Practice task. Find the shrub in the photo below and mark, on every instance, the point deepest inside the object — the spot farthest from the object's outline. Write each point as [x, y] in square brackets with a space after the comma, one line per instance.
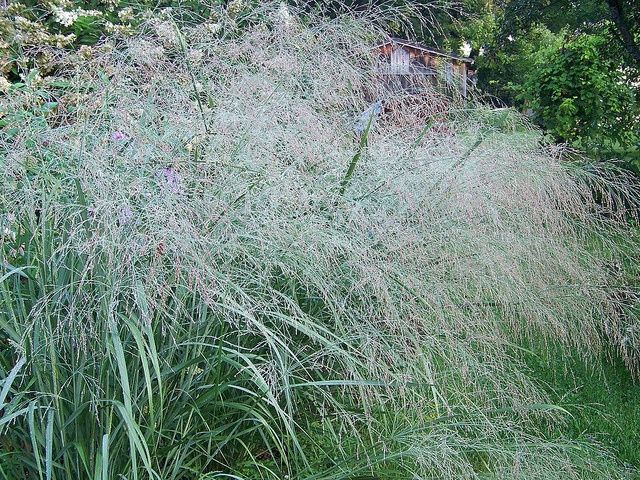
[584, 98]
[206, 276]
[34, 30]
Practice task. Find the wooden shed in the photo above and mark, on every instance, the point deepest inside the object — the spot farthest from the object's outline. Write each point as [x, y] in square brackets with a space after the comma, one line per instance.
[406, 64]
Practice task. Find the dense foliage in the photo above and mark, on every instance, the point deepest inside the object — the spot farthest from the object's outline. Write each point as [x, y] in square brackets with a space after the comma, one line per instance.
[205, 275]
[573, 65]
[32, 30]
[580, 96]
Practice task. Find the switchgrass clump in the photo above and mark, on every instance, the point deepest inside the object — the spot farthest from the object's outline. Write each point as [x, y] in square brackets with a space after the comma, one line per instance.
[207, 274]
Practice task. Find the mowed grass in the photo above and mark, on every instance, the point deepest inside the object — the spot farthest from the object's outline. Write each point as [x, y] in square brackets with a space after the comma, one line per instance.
[601, 395]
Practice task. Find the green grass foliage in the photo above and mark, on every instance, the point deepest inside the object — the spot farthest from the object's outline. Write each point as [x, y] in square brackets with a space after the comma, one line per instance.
[205, 275]
[602, 397]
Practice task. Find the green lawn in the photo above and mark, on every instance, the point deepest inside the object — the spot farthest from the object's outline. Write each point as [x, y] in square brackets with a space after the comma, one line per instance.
[602, 396]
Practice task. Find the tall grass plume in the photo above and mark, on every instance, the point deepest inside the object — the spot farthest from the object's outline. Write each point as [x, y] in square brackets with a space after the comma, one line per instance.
[193, 287]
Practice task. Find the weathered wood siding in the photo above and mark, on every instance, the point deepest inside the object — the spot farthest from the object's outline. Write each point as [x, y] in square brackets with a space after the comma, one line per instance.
[404, 60]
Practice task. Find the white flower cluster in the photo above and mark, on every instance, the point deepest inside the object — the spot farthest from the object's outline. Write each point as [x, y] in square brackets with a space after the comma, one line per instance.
[68, 17]
[7, 232]
[23, 23]
[126, 14]
[4, 84]
[64, 17]
[61, 41]
[28, 32]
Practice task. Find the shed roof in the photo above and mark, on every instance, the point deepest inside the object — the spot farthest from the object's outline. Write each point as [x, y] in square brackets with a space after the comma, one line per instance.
[425, 48]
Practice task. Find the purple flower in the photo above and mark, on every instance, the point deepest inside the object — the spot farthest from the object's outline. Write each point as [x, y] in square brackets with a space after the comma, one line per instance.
[170, 178]
[118, 136]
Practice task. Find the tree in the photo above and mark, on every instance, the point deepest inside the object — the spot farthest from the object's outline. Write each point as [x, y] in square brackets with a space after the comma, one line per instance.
[504, 67]
[580, 96]
[626, 23]
[619, 20]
